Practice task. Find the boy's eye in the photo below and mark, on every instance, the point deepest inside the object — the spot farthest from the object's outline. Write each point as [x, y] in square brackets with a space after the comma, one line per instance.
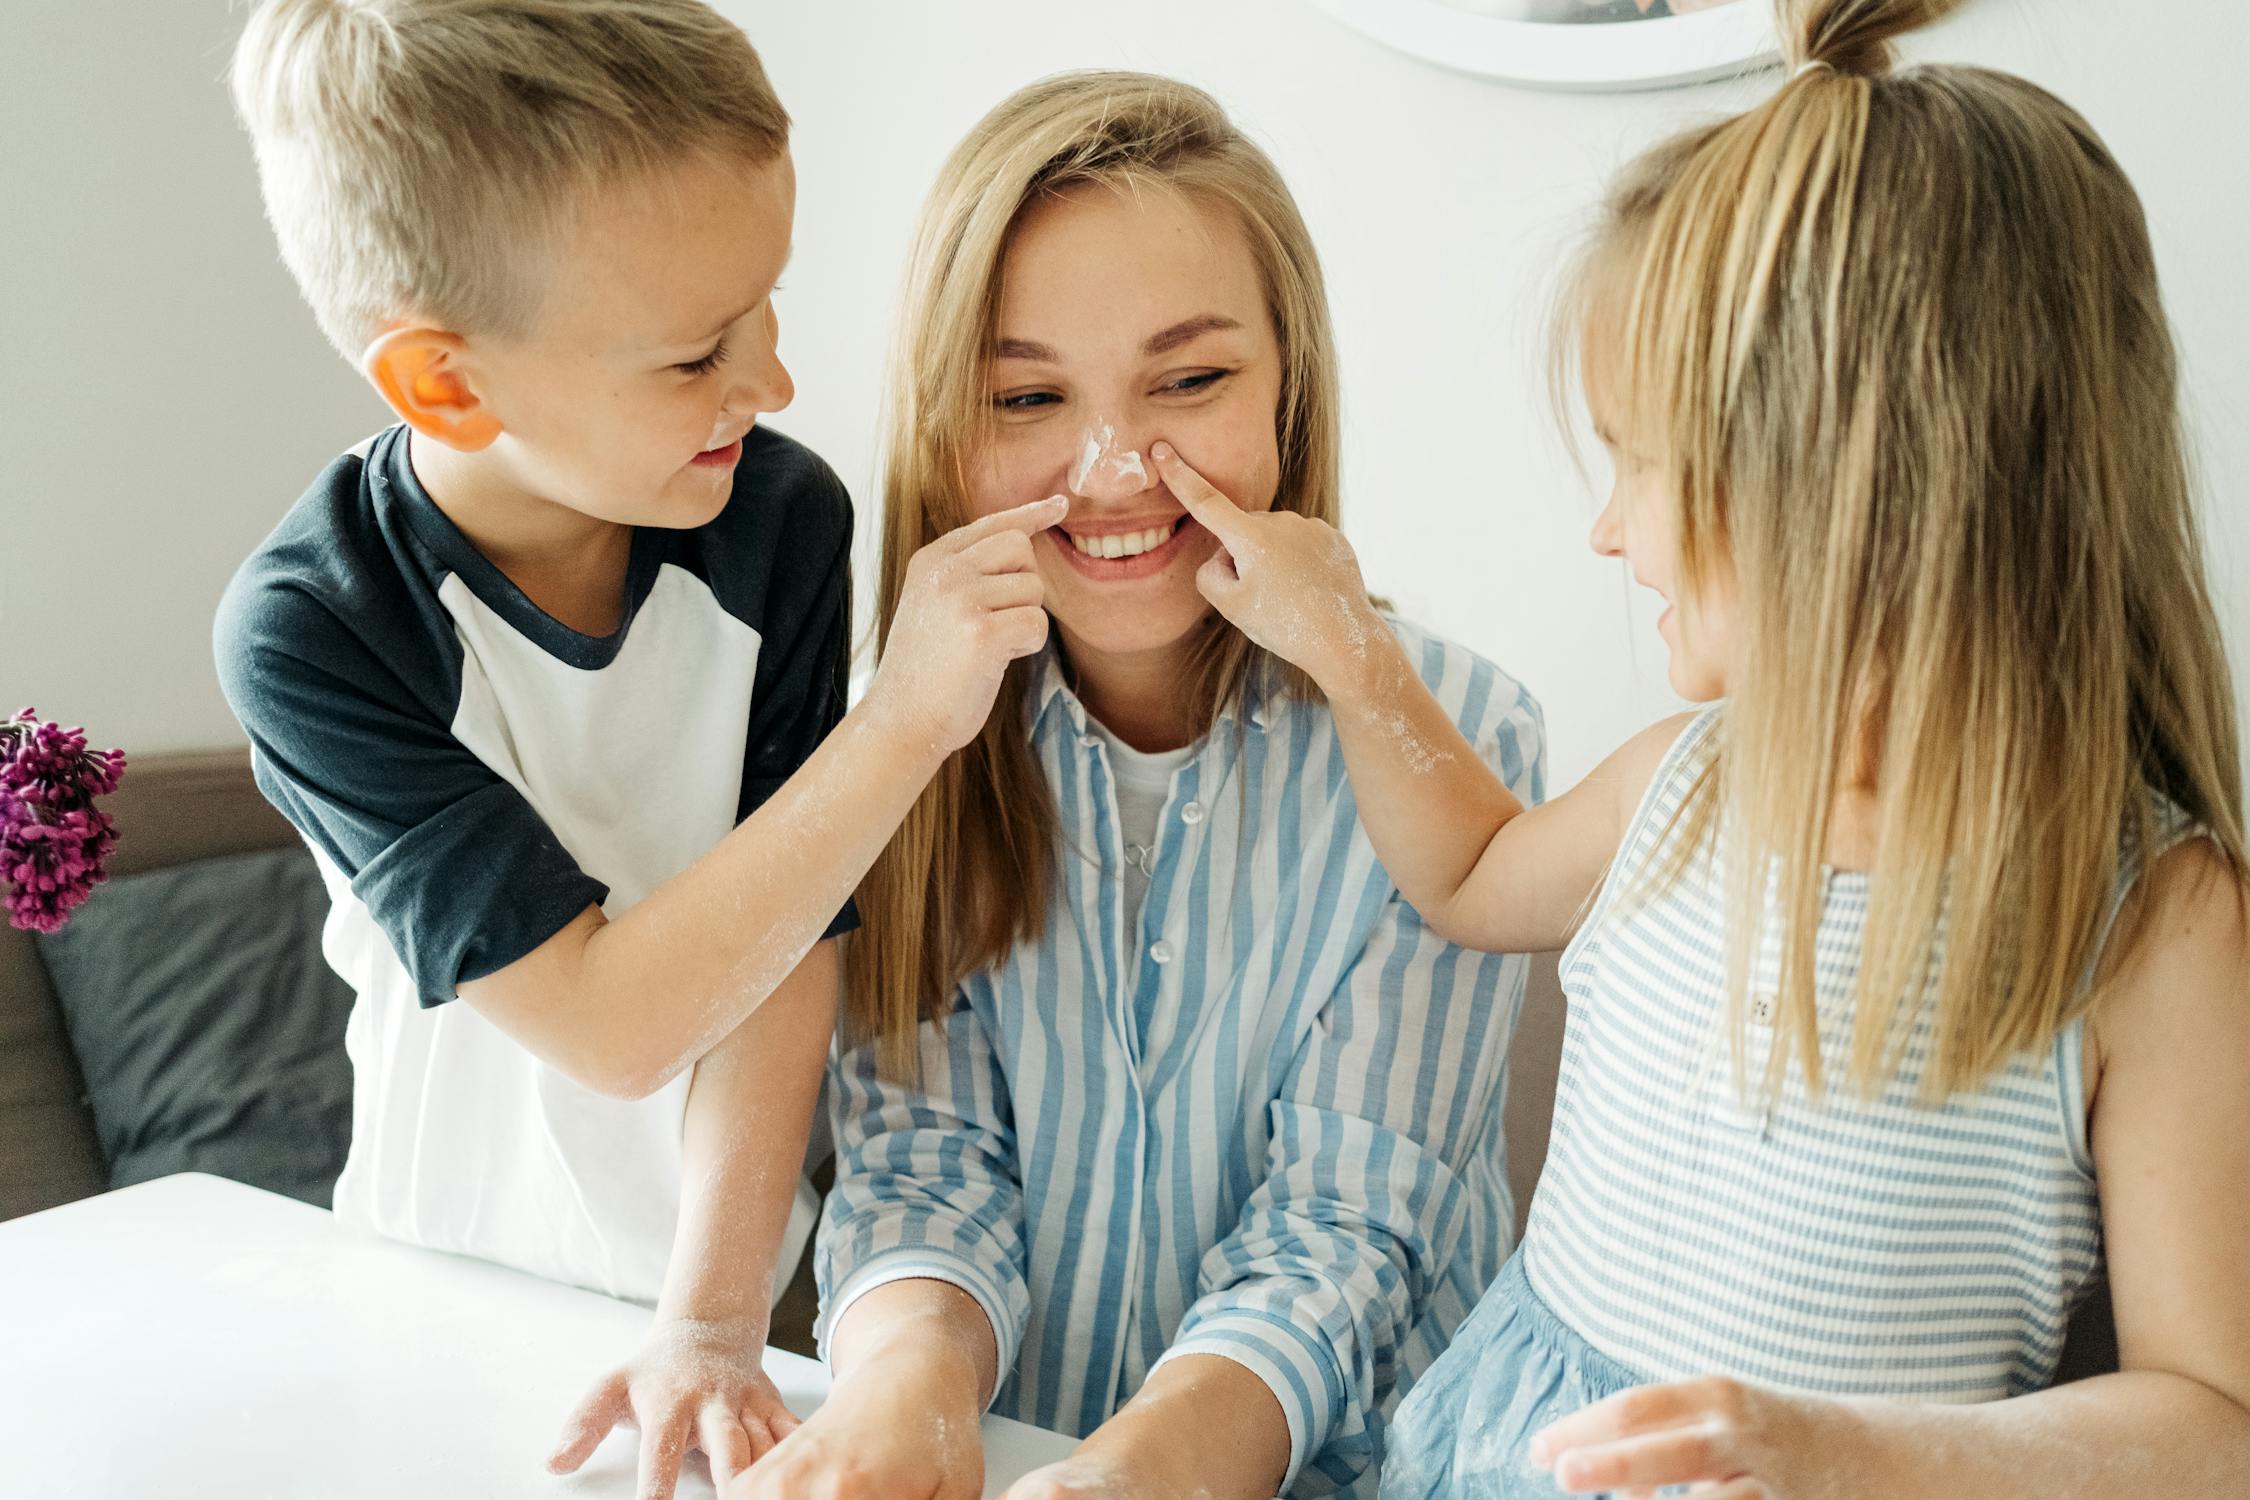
[708, 363]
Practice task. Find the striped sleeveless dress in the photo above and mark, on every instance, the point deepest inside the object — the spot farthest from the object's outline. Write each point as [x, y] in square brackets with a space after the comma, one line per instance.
[1881, 1248]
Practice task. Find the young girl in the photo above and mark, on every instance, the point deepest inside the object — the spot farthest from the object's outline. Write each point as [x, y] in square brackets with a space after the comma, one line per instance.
[1161, 1120]
[1878, 969]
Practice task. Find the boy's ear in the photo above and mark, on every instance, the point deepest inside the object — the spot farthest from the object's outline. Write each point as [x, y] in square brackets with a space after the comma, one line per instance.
[420, 371]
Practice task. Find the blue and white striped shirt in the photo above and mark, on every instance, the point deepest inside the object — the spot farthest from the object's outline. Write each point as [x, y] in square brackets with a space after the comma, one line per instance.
[1263, 1122]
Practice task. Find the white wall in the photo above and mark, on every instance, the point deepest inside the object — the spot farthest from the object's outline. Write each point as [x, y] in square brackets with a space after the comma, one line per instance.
[163, 397]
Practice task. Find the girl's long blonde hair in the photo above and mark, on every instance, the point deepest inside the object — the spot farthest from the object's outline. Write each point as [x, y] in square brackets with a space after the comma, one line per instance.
[1900, 336]
[968, 875]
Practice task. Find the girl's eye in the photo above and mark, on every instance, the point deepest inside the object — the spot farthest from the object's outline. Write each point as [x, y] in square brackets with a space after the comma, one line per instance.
[1025, 401]
[1188, 385]
[708, 363]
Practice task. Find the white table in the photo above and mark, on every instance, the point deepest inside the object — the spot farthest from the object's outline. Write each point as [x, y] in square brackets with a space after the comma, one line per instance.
[194, 1337]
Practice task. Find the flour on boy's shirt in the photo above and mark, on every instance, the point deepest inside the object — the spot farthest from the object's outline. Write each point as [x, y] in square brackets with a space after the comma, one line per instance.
[471, 775]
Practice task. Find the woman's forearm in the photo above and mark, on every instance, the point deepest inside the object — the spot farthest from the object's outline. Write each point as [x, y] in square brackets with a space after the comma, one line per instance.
[933, 1327]
[1202, 1425]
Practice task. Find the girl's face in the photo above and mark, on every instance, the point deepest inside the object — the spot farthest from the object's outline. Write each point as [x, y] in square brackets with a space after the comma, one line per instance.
[1127, 316]
[1641, 524]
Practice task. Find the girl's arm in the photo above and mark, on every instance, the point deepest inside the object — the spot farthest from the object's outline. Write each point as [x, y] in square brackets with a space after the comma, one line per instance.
[2171, 1138]
[1484, 871]
[699, 1381]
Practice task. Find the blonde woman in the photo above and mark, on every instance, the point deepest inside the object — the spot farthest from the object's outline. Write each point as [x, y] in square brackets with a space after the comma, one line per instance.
[1920, 972]
[1161, 1119]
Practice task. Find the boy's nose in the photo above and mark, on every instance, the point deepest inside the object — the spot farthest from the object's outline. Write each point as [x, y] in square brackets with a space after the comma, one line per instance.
[763, 384]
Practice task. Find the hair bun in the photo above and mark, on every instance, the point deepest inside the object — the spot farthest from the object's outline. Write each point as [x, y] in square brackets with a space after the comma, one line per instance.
[1852, 36]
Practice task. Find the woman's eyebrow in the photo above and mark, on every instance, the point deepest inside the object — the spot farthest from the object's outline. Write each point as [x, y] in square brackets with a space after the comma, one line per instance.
[1158, 343]
[1181, 333]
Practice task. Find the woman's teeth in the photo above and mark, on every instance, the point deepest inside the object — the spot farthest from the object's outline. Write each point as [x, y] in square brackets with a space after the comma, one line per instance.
[1123, 543]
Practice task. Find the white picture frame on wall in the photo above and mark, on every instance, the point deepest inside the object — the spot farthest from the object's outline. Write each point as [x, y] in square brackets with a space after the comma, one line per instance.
[1589, 53]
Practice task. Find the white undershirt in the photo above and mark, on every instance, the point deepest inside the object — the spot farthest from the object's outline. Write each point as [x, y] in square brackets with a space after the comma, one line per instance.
[1144, 785]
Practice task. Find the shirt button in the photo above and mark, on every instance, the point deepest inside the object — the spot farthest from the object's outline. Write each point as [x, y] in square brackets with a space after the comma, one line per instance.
[1160, 952]
[1192, 813]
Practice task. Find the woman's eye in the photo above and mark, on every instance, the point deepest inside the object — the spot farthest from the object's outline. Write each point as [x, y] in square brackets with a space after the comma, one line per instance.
[1025, 400]
[708, 363]
[1188, 385]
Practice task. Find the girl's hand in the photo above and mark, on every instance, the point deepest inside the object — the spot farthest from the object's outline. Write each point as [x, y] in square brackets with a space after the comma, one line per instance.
[972, 604]
[1728, 1439]
[897, 1431]
[695, 1384]
[1288, 582]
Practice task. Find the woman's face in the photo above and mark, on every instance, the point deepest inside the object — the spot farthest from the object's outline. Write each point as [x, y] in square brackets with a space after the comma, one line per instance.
[1127, 316]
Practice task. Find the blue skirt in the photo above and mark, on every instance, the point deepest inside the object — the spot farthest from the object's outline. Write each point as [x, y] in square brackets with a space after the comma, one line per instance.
[1464, 1431]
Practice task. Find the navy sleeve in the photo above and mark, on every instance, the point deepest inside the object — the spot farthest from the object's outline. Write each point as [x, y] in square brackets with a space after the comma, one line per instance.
[804, 660]
[350, 728]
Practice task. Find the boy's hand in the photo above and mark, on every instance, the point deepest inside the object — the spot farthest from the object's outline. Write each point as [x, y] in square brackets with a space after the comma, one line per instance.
[972, 604]
[1722, 1437]
[695, 1384]
[904, 1429]
[1288, 582]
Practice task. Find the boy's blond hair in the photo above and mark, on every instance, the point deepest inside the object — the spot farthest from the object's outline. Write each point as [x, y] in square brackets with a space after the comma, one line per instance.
[421, 157]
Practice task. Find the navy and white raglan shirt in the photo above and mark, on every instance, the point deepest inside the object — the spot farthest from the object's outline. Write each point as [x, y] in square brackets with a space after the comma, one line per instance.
[472, 774]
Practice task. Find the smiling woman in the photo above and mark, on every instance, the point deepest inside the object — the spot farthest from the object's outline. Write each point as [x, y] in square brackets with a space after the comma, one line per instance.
[1161, 1120]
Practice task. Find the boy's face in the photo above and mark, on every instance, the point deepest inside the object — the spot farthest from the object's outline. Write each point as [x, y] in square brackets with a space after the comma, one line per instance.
[653, 351]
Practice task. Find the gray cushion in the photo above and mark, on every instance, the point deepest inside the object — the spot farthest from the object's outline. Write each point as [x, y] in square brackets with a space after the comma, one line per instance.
[209, 1029]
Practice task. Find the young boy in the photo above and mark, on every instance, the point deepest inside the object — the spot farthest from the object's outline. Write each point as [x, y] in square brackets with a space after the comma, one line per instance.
[519, 666]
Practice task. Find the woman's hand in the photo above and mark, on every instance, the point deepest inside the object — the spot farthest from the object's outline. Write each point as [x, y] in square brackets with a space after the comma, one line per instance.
[972, 603]
[1728, 1439]
[889, 1430]
[695, 1384]
[1084, 1476]
[1288, 582]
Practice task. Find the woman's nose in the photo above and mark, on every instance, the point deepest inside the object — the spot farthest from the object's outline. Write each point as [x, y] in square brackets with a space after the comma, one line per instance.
[1106, 465]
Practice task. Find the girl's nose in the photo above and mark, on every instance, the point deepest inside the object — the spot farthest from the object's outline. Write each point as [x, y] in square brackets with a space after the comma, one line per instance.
[1608, 536]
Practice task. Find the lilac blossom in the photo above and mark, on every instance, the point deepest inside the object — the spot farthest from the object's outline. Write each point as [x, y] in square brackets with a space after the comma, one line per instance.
[54, 842]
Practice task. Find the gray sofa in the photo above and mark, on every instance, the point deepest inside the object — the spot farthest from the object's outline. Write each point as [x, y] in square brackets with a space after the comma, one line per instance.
[175, 809]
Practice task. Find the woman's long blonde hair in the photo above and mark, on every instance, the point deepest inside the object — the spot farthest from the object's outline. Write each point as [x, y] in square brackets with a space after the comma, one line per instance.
[1900, 336]
[969, 873]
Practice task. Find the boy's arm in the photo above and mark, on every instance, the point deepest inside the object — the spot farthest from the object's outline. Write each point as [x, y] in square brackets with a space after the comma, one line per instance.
[698, 1381]
[623, 1005]
[1484, 871]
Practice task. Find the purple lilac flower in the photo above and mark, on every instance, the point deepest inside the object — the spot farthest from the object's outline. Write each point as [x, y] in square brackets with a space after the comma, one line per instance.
[54, 842]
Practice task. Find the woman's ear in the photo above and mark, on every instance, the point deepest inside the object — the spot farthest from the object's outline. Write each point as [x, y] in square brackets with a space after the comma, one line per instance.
[422, 373]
